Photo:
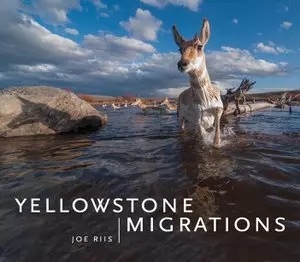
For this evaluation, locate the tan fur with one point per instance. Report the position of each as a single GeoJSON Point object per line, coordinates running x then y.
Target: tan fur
{"type": "Point", "coordinates": [200, 104]}
{"type": "Point", "coordinates": [168, 105]}
{"type": "Point", "coordinates": [146, 108]}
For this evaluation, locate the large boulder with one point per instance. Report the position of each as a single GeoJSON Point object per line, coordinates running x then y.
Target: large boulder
{"type": "Point", "coordinates": [44, 110]}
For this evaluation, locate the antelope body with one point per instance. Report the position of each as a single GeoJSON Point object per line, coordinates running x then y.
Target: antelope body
{"type": "Point", "coordinates": [200, 106]}
{"type": "Point", "coordinates": [147, 109]}
{"type": "Point", "coordinates": [115, 106]}
{"type": "Point", "coordinates": [168, 105]}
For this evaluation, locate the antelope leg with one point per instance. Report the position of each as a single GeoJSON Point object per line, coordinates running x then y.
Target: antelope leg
{"type": "Point", "coordinates": [182, 122]}
{"type": "Point", "coordinates": [217, 141]}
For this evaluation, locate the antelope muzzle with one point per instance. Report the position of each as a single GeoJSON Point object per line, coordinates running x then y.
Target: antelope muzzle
{"type": "Point", "coordinates": [182, 65]}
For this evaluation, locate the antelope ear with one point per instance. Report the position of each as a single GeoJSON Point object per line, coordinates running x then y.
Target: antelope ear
{"type": "Point", "coordinates": [177, 37]}
{"type": "Point", "coordinates": [205, 32]}
{"type": "Point", "coordinates": [196, 37]}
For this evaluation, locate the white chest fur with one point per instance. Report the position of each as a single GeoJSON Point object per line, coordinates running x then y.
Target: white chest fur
{"type": "Point", "coordinates": [194, 116]}
{"type": "Point", "coordinates": [197, 104]}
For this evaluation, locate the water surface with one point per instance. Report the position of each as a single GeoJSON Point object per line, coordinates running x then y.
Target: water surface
{"type": "Point", "coordinates": [255, 173]}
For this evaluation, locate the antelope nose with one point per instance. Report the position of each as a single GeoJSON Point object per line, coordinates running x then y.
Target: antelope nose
{"type": "Point", "coordinates": [182, 63]}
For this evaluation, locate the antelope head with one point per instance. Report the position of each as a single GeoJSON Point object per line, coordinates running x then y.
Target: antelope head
{"type": "Point", "coordinates": [192, 51]}
{"type": "Point", "coordinates": [137, 102]}
{"type": "Point", "coordinates": [166, 101]}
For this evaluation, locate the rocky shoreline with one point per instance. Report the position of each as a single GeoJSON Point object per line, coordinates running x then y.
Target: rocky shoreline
{"type": "Point", "coordinates": [43, 110]}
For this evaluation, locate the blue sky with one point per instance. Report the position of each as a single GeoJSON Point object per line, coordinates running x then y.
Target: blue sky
{"type": "Point", "coordinates": [118, 47]}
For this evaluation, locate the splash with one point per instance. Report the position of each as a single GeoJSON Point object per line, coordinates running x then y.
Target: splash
{"type": "Point", "coordinates": [208, 136]}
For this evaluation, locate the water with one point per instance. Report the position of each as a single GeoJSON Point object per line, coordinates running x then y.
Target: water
{"type": "Point", "coordinates": [255, 174]}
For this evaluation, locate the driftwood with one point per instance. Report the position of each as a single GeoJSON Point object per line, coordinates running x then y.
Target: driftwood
{"type": "Point", "coordinates": [237, 96]}
{"type": "Point", "coordinates": [247, 108]}
{"type": "Point", "coordinates": [284, 100]}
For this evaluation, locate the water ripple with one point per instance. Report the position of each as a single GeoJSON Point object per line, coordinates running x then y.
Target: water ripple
{"type": "Point", "coordinates": [256, 173]}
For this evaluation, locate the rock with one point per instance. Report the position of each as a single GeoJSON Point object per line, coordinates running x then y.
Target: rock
{"type": "Point", "coordinates": [45, 110]}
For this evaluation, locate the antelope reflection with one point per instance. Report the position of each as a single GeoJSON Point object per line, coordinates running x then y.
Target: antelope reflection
{"type": "Point", "coordinates": [208, 169]}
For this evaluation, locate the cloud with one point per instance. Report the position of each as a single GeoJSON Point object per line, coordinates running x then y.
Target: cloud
{"type": "Point", "coordinates": [260, 47]}
{"type": "Point", "coordinates": [26, 41]}
{"type": "Point", "coordinates": [235, 21]}
{"type": "Point", "coordinates": [283, 64]}
{"type": "Point", "coordinates": [104, 15]}
{"type": "Point", "coordinates": [106, 63]}
{"type": "Point", "coordinates": [230, 63]}
{"type": "Point", "coordinates": [120, 48]}
{"type": "Point", "coordinates": [55, 12]}
{"type": "Point", "coordinates": [172, 91]}
{"type": "Point", "coordinates": [286, 25]}
{"type": "Point", "coordinates": [116, 7]}
{"type": "Point", "coordinates": [39, 68]}
{"type": "Point", "coordinates": [225, 67]}
{"type": "Point", "coordinates": [71, 31]}
{"type": "Point", "coordinates": [286, 8]}
{"type": "Point", "coordinates": [191, 4]}
{"type": "Point", "coordinates": [99, 4]}
{"type": "Point", "coordinates": [271, 48]}
{"type": "Point", "coordinates": [271, 43]}
{"type": "Point", "coordinates": [143, 26]}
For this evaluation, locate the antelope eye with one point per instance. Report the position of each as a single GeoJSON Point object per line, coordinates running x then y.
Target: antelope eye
{"type": "Point", "coordinates": [199, 47]}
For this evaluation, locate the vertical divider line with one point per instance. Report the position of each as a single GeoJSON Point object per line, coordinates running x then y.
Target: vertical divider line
{"type": "Point", "coordinates": [119, 230]}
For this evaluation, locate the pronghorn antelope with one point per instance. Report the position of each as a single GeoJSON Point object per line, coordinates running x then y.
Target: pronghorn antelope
{"type": "Point", "coordinates": [200, 105]}
{"type": "Point", "coordinates": [114, 106]}
{"type": "Point", "coordinates": [149, 109]}
{"type": "Point", "coordinates": [168, 105]}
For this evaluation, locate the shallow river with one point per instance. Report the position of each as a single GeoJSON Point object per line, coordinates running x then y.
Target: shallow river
{"type": "Point", "coordinates": [256, 173]}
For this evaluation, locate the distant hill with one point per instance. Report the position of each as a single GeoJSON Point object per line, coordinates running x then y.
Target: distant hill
{"type": "Point", "coordinates": [273, 95]}
{"type": "Point", "coordinates": [94, 99]}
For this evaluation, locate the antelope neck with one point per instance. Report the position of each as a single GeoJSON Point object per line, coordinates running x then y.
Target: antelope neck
{"type": "Point", "coordinates": [200, 79]}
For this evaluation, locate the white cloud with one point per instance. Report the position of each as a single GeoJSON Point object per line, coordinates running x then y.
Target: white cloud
{"type": "Point", "coordinates": [271, 48]}
{"type": "Point", "coordinates": [106, 63]}
{"type": "Point", "coordinates": [191, 4]}
{"type": "Point", "coordinates": [283, 50]}
{"type": "Point", "coordinates": [71, 31]}
{"type": "Point", "coordinates": [271, 43]}
{"type": "Point", "coordinates": [286, 8]}
{"type": "Point", "coordinates": [55, 12]}
{"type": "Point", "coordinates": [286, 25]}
{"type": "Point", "coordinates": [116, 7]}
{"type": "Point", "coordinates": [172, 91]}
{"type": "Point", "coordinates": [104, 15]}
{"type": "Point", "coordinates": [223, 85]}
{"type": "Point", "coordinates": [40, 68]}
{"type": "Point", "coordinates": [260, 47]}
{"type": "Point", "coordinates": [99, 4]}
{"type": "Point", "coordinates": [35, 40]}
{"type": "Point", "coordinates": [231, 62]}
{"type": "Point", "coordinates": [235, 21]}
{"type": "Point", "coordinates": [117, 47]}
{"type": "Point", "coordinates": [226, 67]}
{"type": "Point", "coordinates": [283, 64]}
{"type": "Point", "coordinates": [143, 26]}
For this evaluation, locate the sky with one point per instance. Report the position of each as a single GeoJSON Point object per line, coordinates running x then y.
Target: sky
{"type": "Point", "coordinates": [111, 47]}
